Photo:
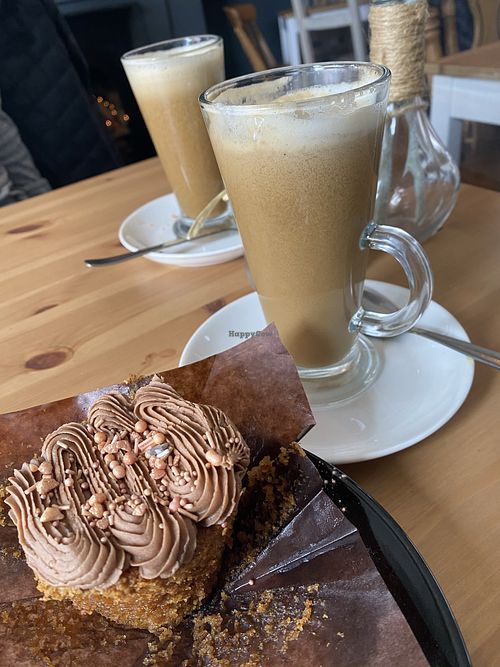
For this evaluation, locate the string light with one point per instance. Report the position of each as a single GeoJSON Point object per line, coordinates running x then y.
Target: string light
{"type": "Point", "coordinates": [107, 107]}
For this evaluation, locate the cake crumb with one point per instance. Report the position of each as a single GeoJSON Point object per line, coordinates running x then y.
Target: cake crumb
{"type": "Point", "coordinates": [3, 507]}
{"type": "Point", "coordinates": [49, 630]}
{"type": "Point", "coordinates": [270, 621]}
{"type": "Point", "coordinates": [313, 587]}
{"type": "Point", "coordinates": [11, 552]}
{"type": "Point", "coordinates": [271, 497]}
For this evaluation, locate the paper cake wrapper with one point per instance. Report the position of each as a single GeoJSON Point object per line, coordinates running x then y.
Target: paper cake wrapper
{"type": "Point", "coordinates": [317, 555]}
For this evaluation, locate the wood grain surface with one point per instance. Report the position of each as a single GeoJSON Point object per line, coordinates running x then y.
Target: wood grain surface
{"type": "Point", "coordinates": [65, 328]}
{"type": "Point", "coordinates": [482, 62]}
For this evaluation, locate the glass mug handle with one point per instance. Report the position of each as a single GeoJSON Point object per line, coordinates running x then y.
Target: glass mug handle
{"type": "Point", "coordinates": [410, 254]}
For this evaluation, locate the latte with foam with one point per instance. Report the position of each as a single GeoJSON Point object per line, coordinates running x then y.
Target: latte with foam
{"type": "Point", "coordinates": [166, 84]}
{"type": "Point", "coordinates": [300, 168]}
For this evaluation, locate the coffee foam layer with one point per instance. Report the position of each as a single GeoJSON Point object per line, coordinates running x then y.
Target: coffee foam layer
{"type": "Point", "coordinates": [296, 129]}
{"type": "Point", "coordinates": [278, 91]}
{"type": "Point", "coordinates": [269, 113]}
{"type": "Point", "coordinates": [178, 58]}
{"type": "Point", "coordinates": [185, 71]}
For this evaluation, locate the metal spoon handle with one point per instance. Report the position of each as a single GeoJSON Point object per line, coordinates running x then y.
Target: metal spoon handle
{"type": "Point", "coordinates": [116, 259]}
{"type": "Point", "coordinates": [204, 214]}
{"type": "Point", "coordinates": [482, 354]}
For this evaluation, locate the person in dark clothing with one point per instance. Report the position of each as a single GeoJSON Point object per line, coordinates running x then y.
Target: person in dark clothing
{"type": "Point", "coordinates": [45, 90]}
{"type": "Point", "coordinates": [19, 178]}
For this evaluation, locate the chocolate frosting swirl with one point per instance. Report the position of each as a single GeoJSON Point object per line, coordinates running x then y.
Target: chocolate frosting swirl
{"type": "Point", "coordinates": [110, 412]}
{"type": "Point", "coordinates": [67, 552]}
{"type": "Point", "coordinates": [97, 501]}
{"type": "Point", "coordinates": [193, 430]}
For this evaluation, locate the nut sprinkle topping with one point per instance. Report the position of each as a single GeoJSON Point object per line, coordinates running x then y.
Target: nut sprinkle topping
{"type": "Point", "coordinates": [127, 488]}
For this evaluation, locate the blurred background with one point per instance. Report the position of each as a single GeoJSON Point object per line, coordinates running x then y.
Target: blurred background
{"type": "Point", "coordinates": [67, 111]}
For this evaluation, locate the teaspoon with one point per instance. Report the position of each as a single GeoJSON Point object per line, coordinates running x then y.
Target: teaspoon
{"type": "Point", "coordinates": [116, 259]}
{"type": "Point", "coordinates": [373, 300]}
{"type": "Point", "coordinates": [193, 233]}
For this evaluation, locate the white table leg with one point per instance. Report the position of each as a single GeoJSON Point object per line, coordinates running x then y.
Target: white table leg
{"type": "Point", "coordinates": [448, 128]}
{"type": "Point", "coordinates": [305, 37]}
{"type": "Point", "coordinates": [357, 36]}
{"type": "Point", "coordinates": [282, 28]}
{"type": "Point", "coordinates": [294, 54]}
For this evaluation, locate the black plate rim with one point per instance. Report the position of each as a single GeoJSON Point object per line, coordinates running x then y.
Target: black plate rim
{"type": "Point", "coordinates": [457, 641]}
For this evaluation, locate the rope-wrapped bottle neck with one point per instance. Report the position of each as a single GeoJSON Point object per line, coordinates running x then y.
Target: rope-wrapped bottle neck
{"type": "Point", "coordinates": [397, 41]}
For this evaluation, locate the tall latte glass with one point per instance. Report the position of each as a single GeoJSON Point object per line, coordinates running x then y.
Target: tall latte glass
{"type": "Point", "coordinates": [298, 149]}
{"type": "Point", "coordinates": [167, 79]}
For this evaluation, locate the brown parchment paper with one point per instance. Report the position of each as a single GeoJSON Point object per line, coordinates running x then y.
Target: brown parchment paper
{"type": "Point", "coordinates": [313, 571]}
{"type": "Point", "coordinates": [255, 384]}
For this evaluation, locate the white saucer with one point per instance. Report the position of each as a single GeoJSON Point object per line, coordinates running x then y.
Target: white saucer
{"type": "Point", "coordinates": [153, 223]}
{"type": "Point", "coordinates": [420, 387]}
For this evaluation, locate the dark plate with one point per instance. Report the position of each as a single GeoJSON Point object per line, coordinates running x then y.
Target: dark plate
{"type": "Point", "coordinates": [403, 569]}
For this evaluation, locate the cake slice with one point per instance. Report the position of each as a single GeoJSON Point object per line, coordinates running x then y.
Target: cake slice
{"type": "Point", "coordinates": [128, 512]}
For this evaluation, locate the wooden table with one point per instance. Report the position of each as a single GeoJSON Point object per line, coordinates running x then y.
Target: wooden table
{"type": "Point", "coordinates": [65, 328]}
{"type": "Point", "coordinates": [465, 86]}
{"type": "Point", "coordinates": [483, 62]}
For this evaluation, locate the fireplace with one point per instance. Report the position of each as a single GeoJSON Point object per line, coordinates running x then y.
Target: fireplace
{"type": "Point", "coordinates": [104, 30]}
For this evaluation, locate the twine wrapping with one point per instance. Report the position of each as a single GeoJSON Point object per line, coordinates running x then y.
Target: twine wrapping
{"type": "Point", "coordinates": [402, 109]}
{"type": "Point", "coordinates": [397, 41]}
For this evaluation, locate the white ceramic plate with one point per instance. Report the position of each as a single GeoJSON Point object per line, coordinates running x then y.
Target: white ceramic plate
{"type": "Point", "coordinates": [153, 223]}
{"type": "Point", "coordinates": [420, 387]}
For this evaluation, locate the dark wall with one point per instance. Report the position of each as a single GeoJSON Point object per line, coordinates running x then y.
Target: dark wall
{"type": "Point", "coordinates": [267, 19]}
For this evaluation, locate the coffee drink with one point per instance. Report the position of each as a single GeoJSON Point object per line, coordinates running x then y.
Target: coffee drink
{"type": "Point", "coordinates": [298, 149]}
{"type": "Point", "coordinates": [166, 80]}
{"type": "Point", "coordinates": [302, 182]}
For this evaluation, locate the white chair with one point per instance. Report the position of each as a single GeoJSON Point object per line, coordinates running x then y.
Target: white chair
{"type": "Point", "coordinates": [295, 28]}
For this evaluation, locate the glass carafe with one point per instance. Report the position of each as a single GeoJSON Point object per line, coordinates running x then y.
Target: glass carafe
{"type": "Point", "coordinates": [418, 179]}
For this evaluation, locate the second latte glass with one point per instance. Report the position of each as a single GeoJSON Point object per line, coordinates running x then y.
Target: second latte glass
{"type": "Point", "coordinates": [167, 79]}
{"type": "Point", "coordinates": [298, 149]}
